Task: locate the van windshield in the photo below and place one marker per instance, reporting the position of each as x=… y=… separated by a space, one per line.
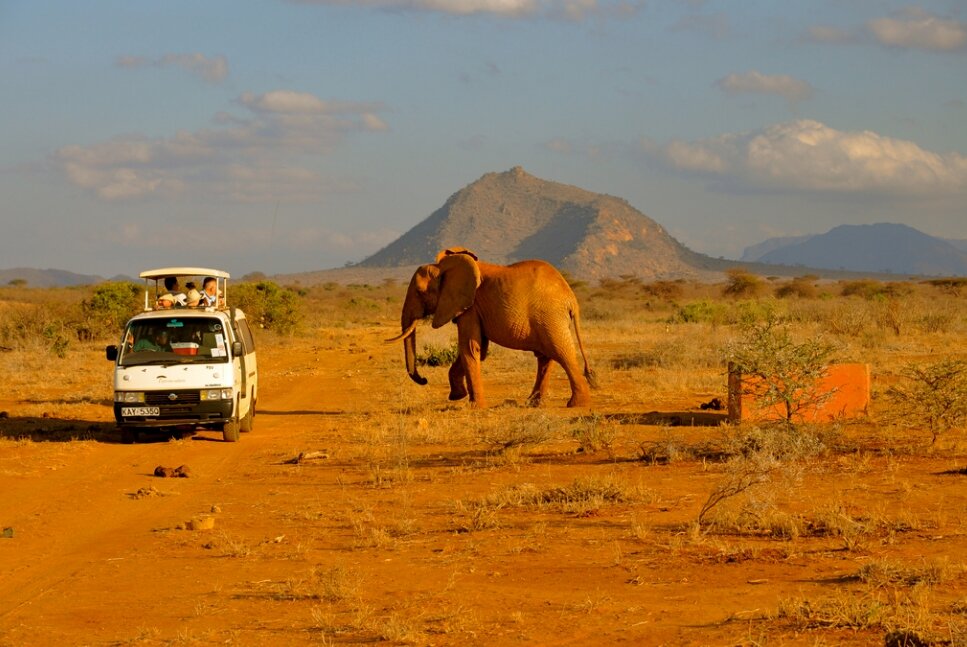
x=174 y=340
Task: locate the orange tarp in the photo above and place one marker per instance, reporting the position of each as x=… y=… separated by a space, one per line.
x=844 y=393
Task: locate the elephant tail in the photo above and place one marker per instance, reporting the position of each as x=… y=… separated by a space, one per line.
x=588 y=373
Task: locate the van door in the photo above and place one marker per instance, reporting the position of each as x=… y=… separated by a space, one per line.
x=249 y=365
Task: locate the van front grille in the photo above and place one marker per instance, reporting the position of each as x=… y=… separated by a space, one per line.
x=162 y=398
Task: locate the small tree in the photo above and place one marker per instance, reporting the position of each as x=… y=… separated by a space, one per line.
x=270 y=306
x=110 y=306
x=934 y=396
x=742 y=283
x=803 y=287
x=782 y=371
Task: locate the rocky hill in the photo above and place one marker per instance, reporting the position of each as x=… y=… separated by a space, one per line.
x=512 y=216
x=883 y=247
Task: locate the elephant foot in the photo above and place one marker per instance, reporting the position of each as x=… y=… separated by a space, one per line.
x=458 y=394
x=579 y=400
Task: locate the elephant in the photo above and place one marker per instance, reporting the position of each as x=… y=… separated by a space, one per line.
x=525 y=306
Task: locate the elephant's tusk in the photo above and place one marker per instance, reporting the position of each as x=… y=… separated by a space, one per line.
x=403 y=335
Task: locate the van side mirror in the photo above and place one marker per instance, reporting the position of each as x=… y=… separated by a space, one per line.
x=111 y=352
x=237 y=349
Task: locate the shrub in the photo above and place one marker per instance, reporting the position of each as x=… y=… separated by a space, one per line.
x=595 y=433
x=952 y=285
x=802 y=287
x=437 y=355
x=785 y=372
x=664 y=290
x=701 y=312
x=272 y=307
x=865 y=288
x=110 y=306
x=934 y=396
x=870 y=289
x=742 y=283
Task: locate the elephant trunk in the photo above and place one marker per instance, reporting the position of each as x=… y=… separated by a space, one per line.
x=412 y=312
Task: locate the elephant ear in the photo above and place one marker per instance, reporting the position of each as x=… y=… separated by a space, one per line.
x=450 y=251
x=459 y=280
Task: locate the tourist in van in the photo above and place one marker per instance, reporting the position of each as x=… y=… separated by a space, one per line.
x=158 y=343
x=193 y=296
x=210 y=295
x=173 y=288
x=165 y=301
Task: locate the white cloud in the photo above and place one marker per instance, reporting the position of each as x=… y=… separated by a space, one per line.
x=791 y=89
x=284 y=101
x=258 y=158
x=808 y=155
x=212 y=70
x=915 y=28
x=574 y=10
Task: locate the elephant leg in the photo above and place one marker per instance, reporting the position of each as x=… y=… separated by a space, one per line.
x=580 y=390
x=540 y=384
x=458 y=380
x=471 y=348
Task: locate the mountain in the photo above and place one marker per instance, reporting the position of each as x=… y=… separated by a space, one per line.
x=512 y=216
x=882 y=247
x=753 y=253
x=36 y=278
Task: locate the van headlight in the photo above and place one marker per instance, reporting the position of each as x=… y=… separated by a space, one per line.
x=129 y=396
x=216 y=394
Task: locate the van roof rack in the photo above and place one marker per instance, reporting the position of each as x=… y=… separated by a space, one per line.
x=161 y=274
x=165 y=272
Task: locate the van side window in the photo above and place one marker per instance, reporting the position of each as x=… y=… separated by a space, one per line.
x=247 y=340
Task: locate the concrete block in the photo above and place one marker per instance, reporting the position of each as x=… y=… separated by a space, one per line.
x=846 y=387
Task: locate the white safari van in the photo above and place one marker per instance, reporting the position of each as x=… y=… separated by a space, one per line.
x=184 y=366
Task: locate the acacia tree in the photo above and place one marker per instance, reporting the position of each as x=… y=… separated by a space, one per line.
x=777 y=370
x=742 y=283
x=934 y=396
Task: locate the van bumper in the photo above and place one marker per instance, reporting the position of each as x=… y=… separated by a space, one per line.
x=170 y=415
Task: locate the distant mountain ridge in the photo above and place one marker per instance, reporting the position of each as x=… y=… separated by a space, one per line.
x=882 y=247
x=512 y=216
x=37 y=278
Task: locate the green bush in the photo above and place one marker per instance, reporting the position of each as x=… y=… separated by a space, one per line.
x=742 y=283
x=269 y=306
x=786 y=372
x=437 y=356
x=110 y=306
x=702 y=312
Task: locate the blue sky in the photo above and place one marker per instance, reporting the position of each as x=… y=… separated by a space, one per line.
x=288 y=136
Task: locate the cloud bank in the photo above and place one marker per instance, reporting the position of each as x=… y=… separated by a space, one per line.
x=211 y=70
x=791 y=89
x=915 y=28
x=262 y=157
x=808 y=155
x=573 y=10
x=910 y=28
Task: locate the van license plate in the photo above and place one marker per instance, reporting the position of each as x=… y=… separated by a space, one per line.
x=140 y=411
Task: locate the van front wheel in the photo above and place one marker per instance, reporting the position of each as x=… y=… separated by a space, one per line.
x=230 y=431
x=248 y=420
